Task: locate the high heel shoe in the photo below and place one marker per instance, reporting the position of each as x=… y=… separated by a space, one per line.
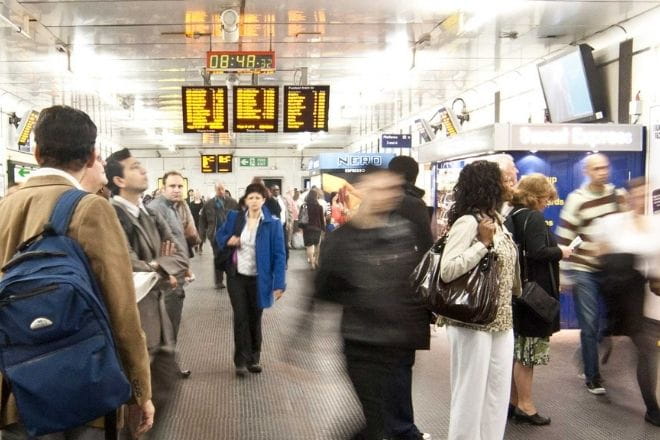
x=535 y=419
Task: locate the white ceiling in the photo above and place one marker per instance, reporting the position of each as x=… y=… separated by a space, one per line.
x=126 y=52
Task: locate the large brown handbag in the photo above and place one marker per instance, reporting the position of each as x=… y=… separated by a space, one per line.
x=470 y=299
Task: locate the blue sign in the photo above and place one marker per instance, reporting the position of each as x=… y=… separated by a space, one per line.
x=396 y=141
x=346 y=161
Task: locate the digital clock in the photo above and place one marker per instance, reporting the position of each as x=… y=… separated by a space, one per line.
x=246 y=61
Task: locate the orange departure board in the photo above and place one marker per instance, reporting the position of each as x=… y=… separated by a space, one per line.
x=255 y=109
x=205 y=109
x=306 y=108
x=209 y=164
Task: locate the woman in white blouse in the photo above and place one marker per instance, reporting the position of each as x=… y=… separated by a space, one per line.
x=481 y=356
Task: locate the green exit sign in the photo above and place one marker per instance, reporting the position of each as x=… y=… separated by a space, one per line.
x=253 y=161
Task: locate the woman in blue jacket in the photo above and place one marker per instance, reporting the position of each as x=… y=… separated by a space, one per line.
x=256 y=272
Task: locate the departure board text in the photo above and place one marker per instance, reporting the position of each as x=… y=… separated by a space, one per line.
x=205 y=109
x=306 y=108
x=255 y=109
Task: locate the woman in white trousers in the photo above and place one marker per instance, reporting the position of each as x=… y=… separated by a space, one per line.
x=481 y=356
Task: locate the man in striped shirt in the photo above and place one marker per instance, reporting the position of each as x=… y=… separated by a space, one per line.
x=598 y=198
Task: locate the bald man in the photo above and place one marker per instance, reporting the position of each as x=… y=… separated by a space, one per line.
x=597 y=198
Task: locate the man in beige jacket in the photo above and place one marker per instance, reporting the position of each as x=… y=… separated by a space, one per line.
x=65 y=140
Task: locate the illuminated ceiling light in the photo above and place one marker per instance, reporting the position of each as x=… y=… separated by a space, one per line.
x=229 y=19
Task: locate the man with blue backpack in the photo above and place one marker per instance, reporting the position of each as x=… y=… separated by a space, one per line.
x=73 y=350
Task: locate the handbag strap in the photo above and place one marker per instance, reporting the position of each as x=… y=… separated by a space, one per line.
x=524 y=249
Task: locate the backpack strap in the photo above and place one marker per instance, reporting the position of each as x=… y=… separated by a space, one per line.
x=58 y=224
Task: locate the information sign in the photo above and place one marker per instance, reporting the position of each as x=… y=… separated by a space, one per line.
x=253 y=161
x=209 y=163
x=225 y=163
x=306 y=108
x=255 y=109
x=27 y=124
x=205 y=109
x=396 y=141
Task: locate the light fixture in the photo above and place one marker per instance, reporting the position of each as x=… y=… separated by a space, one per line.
x=463 y=116
x=229 y=19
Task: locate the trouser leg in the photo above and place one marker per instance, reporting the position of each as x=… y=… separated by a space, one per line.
x=174 y=305
x=238 y=295
x=368 y=377
x=399 y=415
x=254 y=318
x=646 y=341
x=470 y=359
x=585 y=296
x=218 y=270
x=16 y=431
x=498 y=386
x=286 y=242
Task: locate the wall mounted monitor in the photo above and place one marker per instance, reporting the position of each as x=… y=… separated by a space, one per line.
x=571 y=86
x=204 y=109
x=255 y=109
x=306 y=108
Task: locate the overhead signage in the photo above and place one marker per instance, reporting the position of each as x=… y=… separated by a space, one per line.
x=595 y=137
x=306 y=108
x=396 y=141
x=253 y=161
x=26 y=126
x=225 y=163
x=351 y=162
x=240 y=61
x=209 y=164
x=449 y=123
x=255 y=109
x=204 y=109
x=22 y=172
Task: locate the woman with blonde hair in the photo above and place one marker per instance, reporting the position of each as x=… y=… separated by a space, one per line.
x=539 y=263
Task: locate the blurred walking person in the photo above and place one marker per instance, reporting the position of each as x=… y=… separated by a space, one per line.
x=364 y=267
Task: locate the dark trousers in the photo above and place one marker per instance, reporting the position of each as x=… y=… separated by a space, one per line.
x=247 y=319
x=646 y=341
x=17 y=432
x=286 y=242
x=383 y=387
x=174 y=306
x=218 y=266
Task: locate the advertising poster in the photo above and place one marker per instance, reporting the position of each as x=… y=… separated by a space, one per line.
x=654 y=160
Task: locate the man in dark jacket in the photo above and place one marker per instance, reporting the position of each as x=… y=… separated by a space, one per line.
x=365 y=266
x=212 y=217
x=412 y=207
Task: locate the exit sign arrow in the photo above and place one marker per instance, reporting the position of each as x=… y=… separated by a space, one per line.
x=23 y=172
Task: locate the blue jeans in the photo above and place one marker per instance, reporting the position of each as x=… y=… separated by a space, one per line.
x=586 y=294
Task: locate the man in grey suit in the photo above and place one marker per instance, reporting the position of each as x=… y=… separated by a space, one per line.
x=213 y=216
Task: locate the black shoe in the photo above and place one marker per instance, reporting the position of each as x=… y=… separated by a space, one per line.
x=220 y=286
x=185 y=374
x=653 y=419
x=534 y=419
x=596 y=387
x=241 y=371
x=255 y=368
x=511 y=411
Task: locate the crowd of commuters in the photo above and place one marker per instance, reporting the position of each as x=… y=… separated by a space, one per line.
x=363 y=257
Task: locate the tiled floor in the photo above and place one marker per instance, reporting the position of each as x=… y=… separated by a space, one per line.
x=303 y=392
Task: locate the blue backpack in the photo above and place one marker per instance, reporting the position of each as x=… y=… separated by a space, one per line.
x=56 y=348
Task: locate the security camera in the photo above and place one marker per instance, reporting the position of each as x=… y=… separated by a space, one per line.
x=233 y=79
x=60 y=48
x=229 y=19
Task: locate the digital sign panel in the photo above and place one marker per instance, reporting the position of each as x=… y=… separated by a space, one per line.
x=224 y=163
x=27 y=124
x=209 y=164
x=306 y=108
x=255 y=109
x=205 y=109
x=244 y=61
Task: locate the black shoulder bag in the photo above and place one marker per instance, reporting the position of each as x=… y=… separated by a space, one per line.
x=535 y=297
x=470 y=299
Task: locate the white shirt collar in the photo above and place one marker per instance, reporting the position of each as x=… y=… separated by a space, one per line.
x=133 y=209
x=41 y=172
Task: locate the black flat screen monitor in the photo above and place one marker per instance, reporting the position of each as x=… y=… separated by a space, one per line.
x=572 y=89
